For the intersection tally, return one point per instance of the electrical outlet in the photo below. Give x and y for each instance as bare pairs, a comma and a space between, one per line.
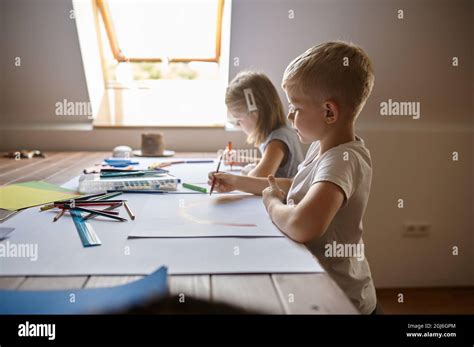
416, 230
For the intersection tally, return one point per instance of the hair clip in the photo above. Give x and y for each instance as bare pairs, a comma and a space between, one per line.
291, 109
250, 99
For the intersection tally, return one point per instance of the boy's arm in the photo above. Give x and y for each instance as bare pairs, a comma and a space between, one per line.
310, 218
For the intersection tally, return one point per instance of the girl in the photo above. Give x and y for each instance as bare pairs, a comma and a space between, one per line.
253, 101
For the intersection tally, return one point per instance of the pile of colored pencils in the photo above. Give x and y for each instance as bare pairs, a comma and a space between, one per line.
89, 204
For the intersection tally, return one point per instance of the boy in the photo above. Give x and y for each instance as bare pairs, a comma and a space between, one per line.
327, 87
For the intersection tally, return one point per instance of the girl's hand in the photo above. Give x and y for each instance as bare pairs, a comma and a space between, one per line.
224, 182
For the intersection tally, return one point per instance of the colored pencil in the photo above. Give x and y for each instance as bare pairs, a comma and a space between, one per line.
98, 203
129, 211
59, 215
82, 199
229, 149
90, 196
100, 213
93, 215
105, 211
213, 177
108, 195
195, 188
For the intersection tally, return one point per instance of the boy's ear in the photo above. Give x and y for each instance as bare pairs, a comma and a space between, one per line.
331, 112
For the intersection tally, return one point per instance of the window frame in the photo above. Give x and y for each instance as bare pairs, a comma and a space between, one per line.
103, 10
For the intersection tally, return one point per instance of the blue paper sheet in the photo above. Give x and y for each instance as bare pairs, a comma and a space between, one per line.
85, 301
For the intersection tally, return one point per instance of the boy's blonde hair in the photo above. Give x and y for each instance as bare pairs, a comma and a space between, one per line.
269, 107
338, 70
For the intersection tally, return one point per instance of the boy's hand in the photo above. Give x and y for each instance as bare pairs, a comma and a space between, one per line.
224, 182
272, 193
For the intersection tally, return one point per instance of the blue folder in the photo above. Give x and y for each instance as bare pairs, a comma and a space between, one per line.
85, 301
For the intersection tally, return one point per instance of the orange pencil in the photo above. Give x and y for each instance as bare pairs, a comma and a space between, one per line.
229, 150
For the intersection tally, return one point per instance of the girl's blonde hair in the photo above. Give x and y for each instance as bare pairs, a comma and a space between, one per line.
269, 107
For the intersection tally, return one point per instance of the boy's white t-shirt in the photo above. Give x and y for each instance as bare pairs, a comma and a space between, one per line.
348, 166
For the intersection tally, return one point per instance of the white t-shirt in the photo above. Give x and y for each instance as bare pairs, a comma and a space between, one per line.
340, 249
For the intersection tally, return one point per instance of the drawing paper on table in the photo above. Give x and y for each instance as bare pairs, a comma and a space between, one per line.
233, 215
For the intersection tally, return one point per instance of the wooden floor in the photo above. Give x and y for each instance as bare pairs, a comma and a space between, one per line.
266, 293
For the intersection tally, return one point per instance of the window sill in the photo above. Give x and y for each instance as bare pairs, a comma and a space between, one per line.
171, 104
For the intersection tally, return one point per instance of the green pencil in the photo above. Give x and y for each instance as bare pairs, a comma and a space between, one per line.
196, 188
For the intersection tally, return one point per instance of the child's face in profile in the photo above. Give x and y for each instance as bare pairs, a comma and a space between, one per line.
306, 117
247, 121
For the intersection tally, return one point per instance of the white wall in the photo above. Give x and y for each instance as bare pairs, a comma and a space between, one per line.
43, 36
412, 158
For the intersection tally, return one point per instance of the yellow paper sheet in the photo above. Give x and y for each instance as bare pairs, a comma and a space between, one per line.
15, 197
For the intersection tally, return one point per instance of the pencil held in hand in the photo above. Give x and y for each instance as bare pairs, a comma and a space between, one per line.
213, 184
224, 182
214, 178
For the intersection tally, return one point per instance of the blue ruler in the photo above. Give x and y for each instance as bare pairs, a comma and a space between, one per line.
88, 236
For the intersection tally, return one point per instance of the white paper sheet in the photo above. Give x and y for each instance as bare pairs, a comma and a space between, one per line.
202, 215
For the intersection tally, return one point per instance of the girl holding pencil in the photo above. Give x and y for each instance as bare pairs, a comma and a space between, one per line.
253, 102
